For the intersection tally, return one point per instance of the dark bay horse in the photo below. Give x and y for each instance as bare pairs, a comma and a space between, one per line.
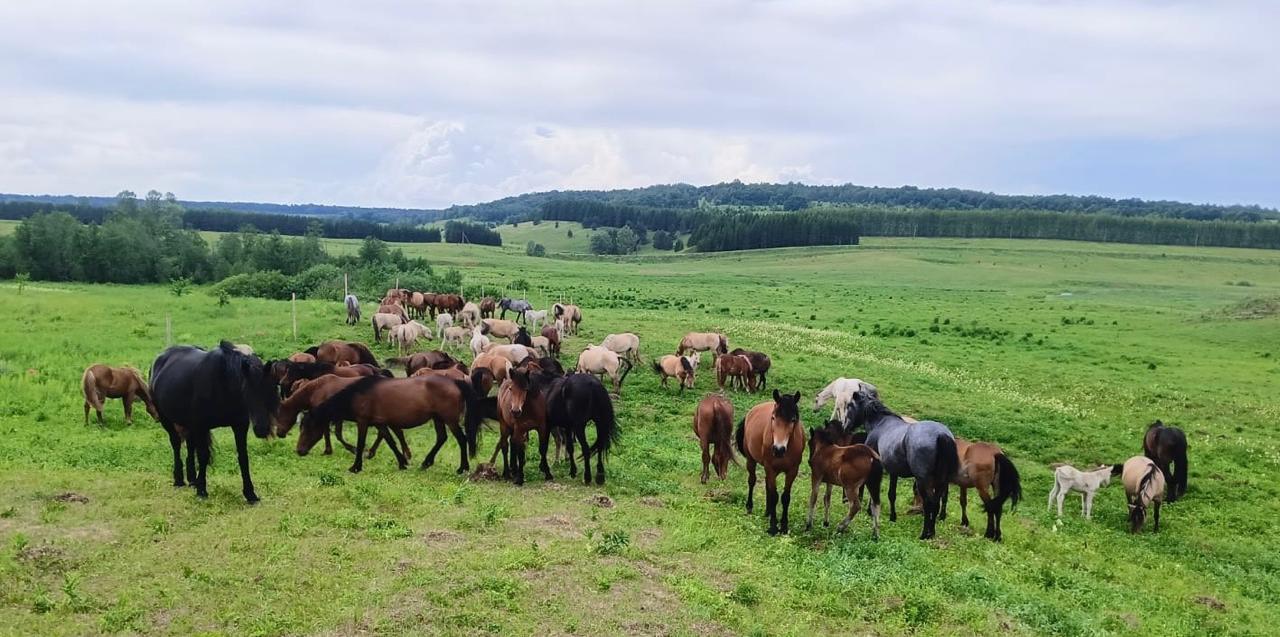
760, 364
196, 391
713, 425
1168, 446
924, 450
343, 352
522, 407
771, 435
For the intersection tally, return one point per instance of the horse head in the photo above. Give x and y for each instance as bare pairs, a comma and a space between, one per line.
861, 409
786, 417
523, 388
259, 392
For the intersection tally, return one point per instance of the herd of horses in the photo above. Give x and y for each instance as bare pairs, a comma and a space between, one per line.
193, 391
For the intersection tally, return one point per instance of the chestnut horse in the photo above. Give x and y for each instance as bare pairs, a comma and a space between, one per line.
713, 425
737, 370
771, 435
307, 394
343, 352
404, 403
101, 381
522, 407
487, 307
760, 364
849, 466
552, 335
434, 359
1168, 446
982, 466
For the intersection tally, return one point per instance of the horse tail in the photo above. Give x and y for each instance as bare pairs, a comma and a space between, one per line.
874, 477
338, 407
1146, 481
657, 367
607, 431
1008, 485
471, 427
626, 371
721, 432
89, 383
1138, 508
739, 437
946, 464
366, 356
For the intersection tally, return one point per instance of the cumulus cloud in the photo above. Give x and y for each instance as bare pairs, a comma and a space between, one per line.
429, 104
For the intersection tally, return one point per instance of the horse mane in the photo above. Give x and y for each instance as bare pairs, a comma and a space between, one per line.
318, 368
365, 355
340, 403
824, 434
787, 409
685, 364
313, 350
864, 406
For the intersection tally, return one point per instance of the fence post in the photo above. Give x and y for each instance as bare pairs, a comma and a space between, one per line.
346, 290
168, 330
293, 305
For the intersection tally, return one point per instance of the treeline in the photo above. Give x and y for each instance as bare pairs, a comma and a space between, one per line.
227, 221
751, 231
1023, 224
594, 214
462, 232
386, 215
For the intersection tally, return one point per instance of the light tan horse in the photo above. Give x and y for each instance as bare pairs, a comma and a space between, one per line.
541, 345
469, 315
713, 425
405, 336
771, 435
681, 368
497, 365
570, 314
500, 328
100, 382
385, 321
455, 336
1144, 486
603, 362
394, 308
513, 353
625, 344
713, 342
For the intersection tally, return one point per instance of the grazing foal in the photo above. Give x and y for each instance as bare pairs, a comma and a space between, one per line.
102, 381
848, 466
1067, 479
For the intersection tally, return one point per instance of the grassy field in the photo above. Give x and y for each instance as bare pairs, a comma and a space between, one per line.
1061, 352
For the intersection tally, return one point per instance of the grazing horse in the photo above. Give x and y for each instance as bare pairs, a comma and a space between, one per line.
394, 308
737, 369
713, 425
625, 344
983, 465
760, 364
848, 466
1168, 446
841, 391
288, 373
469, 315
451, 303
1143, 487
455, 336
343, 353
196, 391
385, 321
500, 328
681, 368
571, 316
541, 345
405, 336
443, 320
572, 402
771, 435
598, 360
103, 381
404, 403
534, 318
434, 359
499, 367
487, 307
925, 450
353, 309
522, 407
552, 334
519, 306
308, 394
522, 338
1067, 479
716, 343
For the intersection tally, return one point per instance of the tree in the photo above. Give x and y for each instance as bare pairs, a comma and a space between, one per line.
678, 246
373, 250
570, 234
535, 249
663, 240
795, 202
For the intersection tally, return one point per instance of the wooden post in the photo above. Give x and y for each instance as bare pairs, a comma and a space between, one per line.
346, 290
293, 305
168, 331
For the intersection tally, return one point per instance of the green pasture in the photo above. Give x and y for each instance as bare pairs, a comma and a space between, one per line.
1059, 351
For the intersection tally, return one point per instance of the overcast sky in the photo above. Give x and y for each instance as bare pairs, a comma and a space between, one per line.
424, 105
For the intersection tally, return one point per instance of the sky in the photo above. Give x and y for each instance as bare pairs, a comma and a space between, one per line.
425, 104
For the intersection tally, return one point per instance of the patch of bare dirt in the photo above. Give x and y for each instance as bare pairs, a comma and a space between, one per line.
437, 537
651, 501
1210, 601
71, 496
555, 525
1247, 310
601, 500
44, 557
485, 472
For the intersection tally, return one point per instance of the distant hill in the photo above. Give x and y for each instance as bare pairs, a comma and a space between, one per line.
387, 215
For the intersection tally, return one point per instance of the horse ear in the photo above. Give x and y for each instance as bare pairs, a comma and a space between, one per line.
1117, 469
797, 398
777, 397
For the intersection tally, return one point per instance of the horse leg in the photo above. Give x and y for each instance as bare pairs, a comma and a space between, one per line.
337, 430
993, 523
1088, 505
362, 435
706, 460
401, 460
128, 413
751, 484
1053, 493
814, 485
893, 498
202, 453
328, 444
586, 456
518, 451
461, 437
826, 507
441, 437
1157, 515
964, 507
930, 514
191, 465
544, 438
771, 499
242, 457
854, 504
404, 443
175, 441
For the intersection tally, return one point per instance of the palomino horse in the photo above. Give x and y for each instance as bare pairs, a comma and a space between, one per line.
487, 307
499, 366
735, 369
600, 361
100, 382
713, 425
925, 450
625, 344
385, 321
572, 402
353, 309
982, 466
196, 391
552, 334
760, 364
522, 407
771, 435
514, 352
343, 353
500, 328
681, 368
1144, 487
571, 316
848, 466
1168, 446
404, 403
841, 391
519, 306
716, 343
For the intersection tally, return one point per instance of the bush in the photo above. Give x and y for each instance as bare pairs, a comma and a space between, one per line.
270, 284
322, 281
535, 250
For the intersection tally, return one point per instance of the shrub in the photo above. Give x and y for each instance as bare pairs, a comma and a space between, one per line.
322, 281
270, 284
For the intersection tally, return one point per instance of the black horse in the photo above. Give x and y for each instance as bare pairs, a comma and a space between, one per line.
572, 402
523, 338
1168, 446
197, 391
760, 364
515, 305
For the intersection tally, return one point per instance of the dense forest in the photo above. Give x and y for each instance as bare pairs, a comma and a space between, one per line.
462, 232
384, 215
750, 231
227, 221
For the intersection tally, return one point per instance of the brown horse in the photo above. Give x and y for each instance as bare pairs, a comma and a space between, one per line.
100, 382
552, 335
713, 425
394, 308
848, 466
1168, 446
305, 395
404, 403
451, 303
760, 364
434, 359
982, 466
737, 370
488, 305
301, 357
522, 407
287, 373
771, 435
340, 352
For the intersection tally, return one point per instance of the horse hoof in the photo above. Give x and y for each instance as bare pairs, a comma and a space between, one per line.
252, 499
773, 531
600, 478
179, 483
354, 469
